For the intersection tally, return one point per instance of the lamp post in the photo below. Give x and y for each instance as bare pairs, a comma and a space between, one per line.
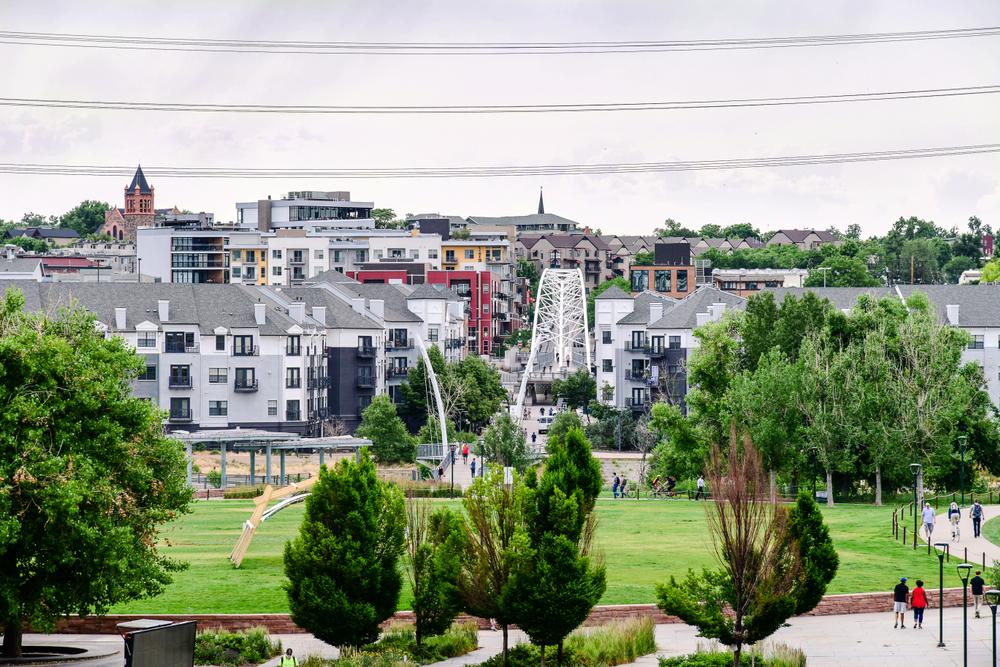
961, 471
992, 599
963, 573
940, 546
915, 469
452, 466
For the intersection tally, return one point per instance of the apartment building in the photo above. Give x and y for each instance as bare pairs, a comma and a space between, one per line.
416, 247
672, 273
587, 252
311, 210
747, 282
180, 255
805, 239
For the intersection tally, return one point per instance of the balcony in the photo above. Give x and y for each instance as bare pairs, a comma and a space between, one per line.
180, 348
180, 417
454, 343
637, 403
179, 382
293, 351
398, 345
636, 376
657, 351
293, 415
315, 383
397, 371
251, 351
366, 351
297, 259
245, 386
293, 383
449, 259
366, 381
641, 347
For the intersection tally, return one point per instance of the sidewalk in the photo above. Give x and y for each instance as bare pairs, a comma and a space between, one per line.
977, 545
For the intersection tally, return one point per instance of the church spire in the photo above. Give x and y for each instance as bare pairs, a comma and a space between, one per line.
541, 202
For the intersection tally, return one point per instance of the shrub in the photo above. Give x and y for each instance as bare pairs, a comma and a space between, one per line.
234, 648
400, 638
526, 655
214, 477
243, 492
616, 643
771, 655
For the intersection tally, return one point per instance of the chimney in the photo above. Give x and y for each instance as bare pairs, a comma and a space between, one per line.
358, 304
297, 311
163, 306
701, 319
377, 306
952, 314
259, 310
120, 319
319, 314
717, 309
655, 311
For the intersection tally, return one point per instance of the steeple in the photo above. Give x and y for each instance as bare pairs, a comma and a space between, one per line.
541, 202
139, 180
138, 195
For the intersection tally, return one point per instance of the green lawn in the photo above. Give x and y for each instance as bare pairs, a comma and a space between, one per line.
991, 530
644, 542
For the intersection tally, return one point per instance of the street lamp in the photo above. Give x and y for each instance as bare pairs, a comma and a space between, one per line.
940, 546
961, 471
915, 469
963, 573
992, 599
452, 466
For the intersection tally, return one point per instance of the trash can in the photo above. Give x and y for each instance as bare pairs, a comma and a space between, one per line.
153, 642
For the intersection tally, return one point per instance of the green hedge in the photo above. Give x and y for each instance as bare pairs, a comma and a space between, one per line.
243, 492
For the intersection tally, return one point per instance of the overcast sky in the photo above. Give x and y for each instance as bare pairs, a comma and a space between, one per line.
947, 190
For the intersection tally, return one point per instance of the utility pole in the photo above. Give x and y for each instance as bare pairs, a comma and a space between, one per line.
911, 269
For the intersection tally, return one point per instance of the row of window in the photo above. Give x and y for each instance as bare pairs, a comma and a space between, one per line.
183, 341
640, 339
180, 408
638, 367
663, 279
327, 213
245, 377
750, 285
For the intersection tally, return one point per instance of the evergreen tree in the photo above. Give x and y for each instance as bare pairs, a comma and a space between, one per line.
436, 542
343, 571
818, 557
391, 443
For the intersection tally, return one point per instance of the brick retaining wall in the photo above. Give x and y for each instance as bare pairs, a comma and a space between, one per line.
853, 603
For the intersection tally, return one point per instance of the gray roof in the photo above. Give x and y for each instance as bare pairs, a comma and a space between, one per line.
840, 297
396, 309
19, 265
684, 314
521, 220
428, 291
139, 180
339, 315
613, 292
206, 305
640, 312
332, 277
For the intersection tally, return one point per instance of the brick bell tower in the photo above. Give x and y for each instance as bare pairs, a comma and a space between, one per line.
138, 195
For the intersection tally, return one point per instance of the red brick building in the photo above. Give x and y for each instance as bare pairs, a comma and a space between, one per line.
139, 211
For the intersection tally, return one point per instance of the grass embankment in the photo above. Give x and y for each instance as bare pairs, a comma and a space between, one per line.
644, 542
991, 530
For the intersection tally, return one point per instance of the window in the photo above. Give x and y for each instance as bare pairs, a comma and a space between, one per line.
243, 346
237, 272
486, 307
662, 280
180, 375
237, 255
751, 285
275, 270
674, 342
276, 254
606, 365
218, 375
360, 255
218, 408
682, 281
414, 254
250, 273
640, 281
179, 341
657, 343
148, 374
180, 408
432, 254
246, 378
606, 337
146, 339
486, 288
293, 346
292, 413
220, 342
432, 334
638, 339
251, 256
338, 256
977, 342
317, 254
272, 408
470, 254
293, 378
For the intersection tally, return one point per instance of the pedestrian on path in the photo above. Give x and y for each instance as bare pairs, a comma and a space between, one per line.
534, 437
621, 489
918, 602
701, 488
954, 516
472, 466
899, 594
976, 512
614, 484
928, 519
465, 453
978, 585
288, 660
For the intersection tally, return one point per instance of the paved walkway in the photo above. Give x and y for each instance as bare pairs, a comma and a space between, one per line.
977, 545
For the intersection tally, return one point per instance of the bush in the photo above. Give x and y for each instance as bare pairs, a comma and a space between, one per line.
616, 643
773, 655
429, 489
243, 492
400, 639
234, 648
214, 477
526, 655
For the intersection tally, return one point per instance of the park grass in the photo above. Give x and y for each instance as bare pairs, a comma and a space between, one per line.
991, 530
644, 543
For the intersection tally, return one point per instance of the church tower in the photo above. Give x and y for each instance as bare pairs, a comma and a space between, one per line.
139, 196
121, 223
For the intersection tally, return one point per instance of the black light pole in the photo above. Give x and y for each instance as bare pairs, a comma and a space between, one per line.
992, 599
915, 469
940, 546
963, 573
961, 471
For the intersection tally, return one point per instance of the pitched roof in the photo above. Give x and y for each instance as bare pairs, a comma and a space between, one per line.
19, 265
800, 235
339, 314
613, 292
43, 232
640, 312
516, 220
685, 314
332, 277
396, 309
426, 291
139, 180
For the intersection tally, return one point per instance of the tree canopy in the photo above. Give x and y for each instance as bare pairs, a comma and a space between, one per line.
391, 443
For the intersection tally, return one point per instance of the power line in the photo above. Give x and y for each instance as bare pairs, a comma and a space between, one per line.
499, 108
148, 43
497, 171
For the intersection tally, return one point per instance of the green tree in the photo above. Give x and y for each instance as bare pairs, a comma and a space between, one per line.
958, 265
38, 220
619, 282
991, 272
843, 272
86, 218
484, 394
561, 425
87, 475
682, 453
343, 568
391, 443
385, 218
741, 230
504, 443
673, 228
712, 368
29, 244
711, 231
819, 561
643, 258
418, 395
435, 545
578, 390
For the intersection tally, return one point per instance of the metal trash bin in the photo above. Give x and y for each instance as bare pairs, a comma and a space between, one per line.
157, 643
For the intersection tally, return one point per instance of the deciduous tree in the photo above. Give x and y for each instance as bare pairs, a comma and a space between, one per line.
435, 545
391, 442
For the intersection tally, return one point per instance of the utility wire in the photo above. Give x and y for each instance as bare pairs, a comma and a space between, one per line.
148, 43
499, 108
497, 171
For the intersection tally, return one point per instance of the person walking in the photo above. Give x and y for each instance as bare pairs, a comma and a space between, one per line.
621, 488
614, 484
978, 585
472, 467
954, 516
701, 488
928, 519
465, 453
534, 437
440, 473
918, 602
899, 595
288, 660
976, 512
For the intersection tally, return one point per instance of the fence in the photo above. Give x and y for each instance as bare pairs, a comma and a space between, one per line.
205, 481
903, 522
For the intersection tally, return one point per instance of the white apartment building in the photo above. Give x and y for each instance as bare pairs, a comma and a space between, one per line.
308, 210
415, 247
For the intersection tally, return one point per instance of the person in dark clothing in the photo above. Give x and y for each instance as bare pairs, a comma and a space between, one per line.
978, 585
621, 489
976, 512
899, 595
614, 484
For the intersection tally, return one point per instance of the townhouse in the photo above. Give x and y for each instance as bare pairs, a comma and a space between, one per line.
587, 252
805, 239
747, 282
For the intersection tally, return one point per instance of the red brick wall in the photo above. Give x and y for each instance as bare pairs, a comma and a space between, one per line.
855, 603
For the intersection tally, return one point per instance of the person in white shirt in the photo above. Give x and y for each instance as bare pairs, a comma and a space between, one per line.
928, 518
701, 488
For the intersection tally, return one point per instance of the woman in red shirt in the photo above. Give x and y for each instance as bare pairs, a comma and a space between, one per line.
918, 601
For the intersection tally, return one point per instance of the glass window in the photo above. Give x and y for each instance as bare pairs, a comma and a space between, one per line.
243, 346
977, 342
218, 408
432, 334
272, 408
432, 254
251, 256
237, 255
414, 254
662, 280
606, 365
218, 375
682, 281
293, 378
317, 254
246, 377
674, 342
360, 255
292, 413
146, 339
293, 346
606, 337
148, 374
338, 256
470, 254
640, 281
220, 342
180, 408
275, 270
276, 254
237, 272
